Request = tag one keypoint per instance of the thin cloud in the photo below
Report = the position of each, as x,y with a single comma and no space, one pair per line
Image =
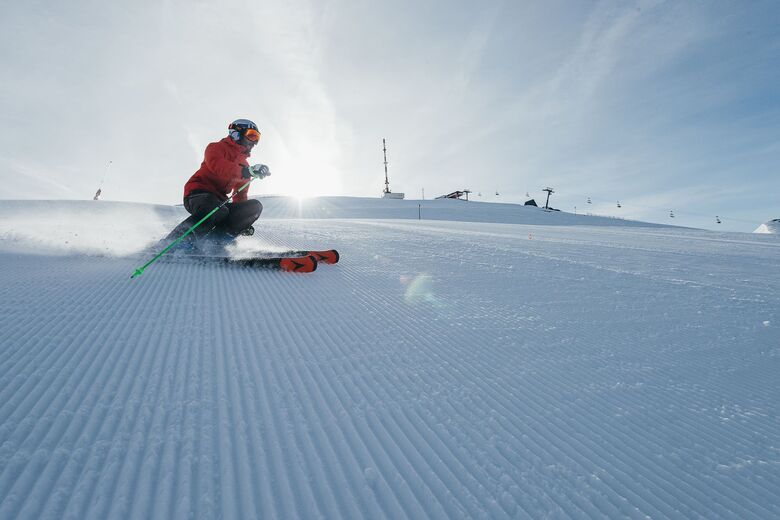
627,99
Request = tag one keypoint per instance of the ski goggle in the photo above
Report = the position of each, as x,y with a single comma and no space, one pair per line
252,135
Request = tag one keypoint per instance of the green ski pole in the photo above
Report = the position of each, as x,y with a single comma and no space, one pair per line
140,270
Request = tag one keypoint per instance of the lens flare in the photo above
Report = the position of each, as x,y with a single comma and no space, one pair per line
419,290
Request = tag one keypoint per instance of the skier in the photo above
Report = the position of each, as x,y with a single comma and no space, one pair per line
223,171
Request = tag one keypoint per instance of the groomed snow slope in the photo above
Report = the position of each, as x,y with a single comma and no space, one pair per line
441,370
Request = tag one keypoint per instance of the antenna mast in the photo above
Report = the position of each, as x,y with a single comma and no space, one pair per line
387,182
386,193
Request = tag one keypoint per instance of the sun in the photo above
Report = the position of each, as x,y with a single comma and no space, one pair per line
305,181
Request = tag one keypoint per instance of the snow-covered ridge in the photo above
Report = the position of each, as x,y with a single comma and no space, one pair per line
769,227
121,228
442,369
435,209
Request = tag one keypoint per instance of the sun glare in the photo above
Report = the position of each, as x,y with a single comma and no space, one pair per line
307,182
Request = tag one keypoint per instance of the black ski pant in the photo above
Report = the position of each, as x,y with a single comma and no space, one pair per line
233,217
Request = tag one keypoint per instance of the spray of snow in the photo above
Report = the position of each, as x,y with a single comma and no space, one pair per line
93,228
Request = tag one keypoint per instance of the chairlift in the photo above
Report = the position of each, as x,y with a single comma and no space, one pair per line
717,219
496,193
671,213
589,202
618,204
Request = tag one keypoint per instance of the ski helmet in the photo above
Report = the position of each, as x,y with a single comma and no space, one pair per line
244,128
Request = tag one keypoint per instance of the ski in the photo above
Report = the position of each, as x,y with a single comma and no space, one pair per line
293,261
328,256
291,264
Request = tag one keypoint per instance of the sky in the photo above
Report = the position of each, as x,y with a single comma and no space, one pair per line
664,107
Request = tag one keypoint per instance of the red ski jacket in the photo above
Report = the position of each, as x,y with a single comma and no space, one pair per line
220,172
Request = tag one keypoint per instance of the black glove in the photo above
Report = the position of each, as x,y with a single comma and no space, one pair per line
260,171
245,172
